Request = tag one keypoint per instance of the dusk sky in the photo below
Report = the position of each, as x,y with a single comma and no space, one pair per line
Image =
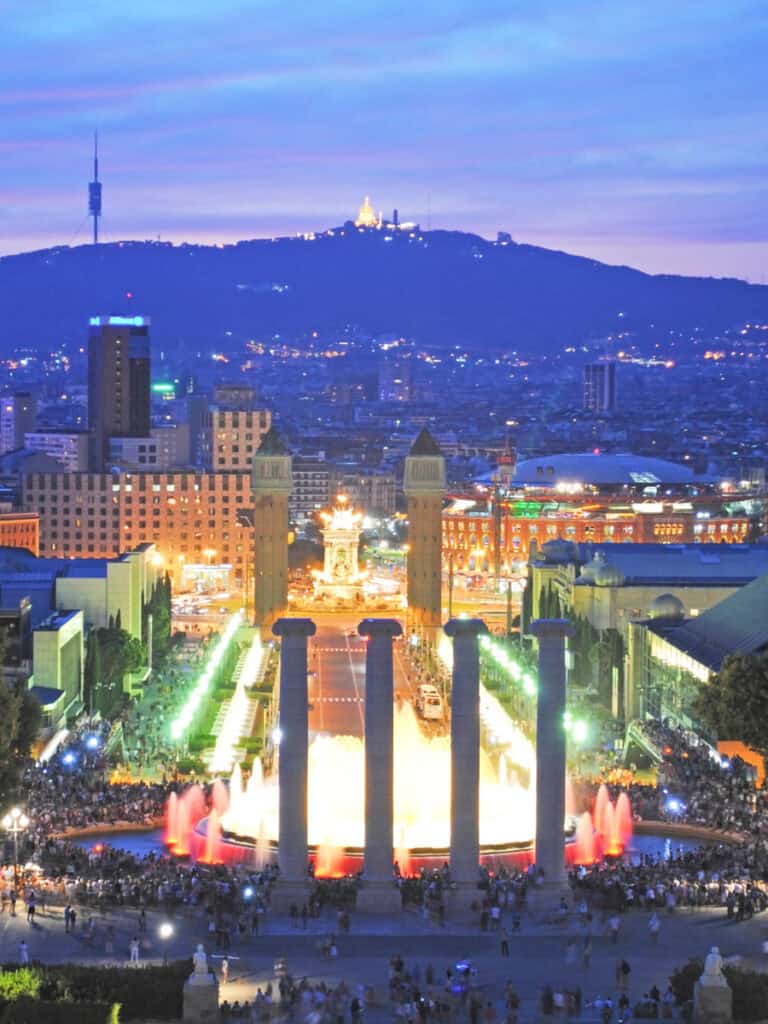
631,131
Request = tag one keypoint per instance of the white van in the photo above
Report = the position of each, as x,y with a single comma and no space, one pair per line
429,703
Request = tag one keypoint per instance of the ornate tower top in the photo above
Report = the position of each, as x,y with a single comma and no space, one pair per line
424,466
271,469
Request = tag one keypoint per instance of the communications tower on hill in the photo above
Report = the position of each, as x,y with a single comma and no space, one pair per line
94,191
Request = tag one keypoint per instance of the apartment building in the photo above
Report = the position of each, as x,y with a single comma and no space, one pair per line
191,518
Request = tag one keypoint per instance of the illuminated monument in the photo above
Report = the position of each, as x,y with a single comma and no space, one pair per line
424,486
271,484
341,581
367,217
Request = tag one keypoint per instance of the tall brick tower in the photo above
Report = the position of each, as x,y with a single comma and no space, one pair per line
271,483
424,486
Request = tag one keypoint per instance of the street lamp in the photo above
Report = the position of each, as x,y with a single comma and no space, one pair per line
14,822
165,932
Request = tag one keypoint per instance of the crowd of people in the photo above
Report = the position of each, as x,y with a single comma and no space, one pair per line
72,789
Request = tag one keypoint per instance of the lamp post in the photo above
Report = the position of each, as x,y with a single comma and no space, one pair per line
15,822
165,932
450,584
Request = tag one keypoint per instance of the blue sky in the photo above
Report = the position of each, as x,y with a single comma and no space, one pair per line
633,131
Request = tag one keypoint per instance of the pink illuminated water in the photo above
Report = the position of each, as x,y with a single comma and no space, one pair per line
212,853
171,837
612,822
586,847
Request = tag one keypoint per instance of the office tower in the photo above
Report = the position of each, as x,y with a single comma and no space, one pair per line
17,416
600,387
118,382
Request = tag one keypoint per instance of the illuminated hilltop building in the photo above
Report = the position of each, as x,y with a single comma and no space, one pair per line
367,217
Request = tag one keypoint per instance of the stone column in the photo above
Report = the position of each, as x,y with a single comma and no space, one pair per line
293,758
552,882
379,893
465,760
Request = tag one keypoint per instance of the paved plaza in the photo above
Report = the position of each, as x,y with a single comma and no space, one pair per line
539,954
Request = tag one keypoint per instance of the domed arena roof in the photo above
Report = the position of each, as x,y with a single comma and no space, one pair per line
600,470
666,606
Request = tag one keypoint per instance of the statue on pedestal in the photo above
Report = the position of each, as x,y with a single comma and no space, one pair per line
201,992
712,996
201,975
713,970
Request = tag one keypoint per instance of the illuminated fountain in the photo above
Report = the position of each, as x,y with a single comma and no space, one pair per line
422,796
607,832
341,580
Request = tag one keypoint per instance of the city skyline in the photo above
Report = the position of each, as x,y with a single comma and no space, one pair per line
630,140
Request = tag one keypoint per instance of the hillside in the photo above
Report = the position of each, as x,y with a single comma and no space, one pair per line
440,287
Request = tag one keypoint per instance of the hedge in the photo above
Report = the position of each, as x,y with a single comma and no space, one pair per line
150,991
37,1011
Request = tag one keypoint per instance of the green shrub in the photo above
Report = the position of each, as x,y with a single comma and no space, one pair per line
16,984
750,994
684,978
37,1011
154,992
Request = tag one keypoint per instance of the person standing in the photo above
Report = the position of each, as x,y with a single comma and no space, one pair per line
23,953
134,950
654,926
224,971
586,953
504,941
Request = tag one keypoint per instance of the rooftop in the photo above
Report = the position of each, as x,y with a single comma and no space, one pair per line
590,468
737,625
680,564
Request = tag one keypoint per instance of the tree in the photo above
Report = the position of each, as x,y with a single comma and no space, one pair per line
19,724
119,653
735,703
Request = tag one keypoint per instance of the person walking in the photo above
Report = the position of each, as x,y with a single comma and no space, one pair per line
586,953
504,941
133,949
613,928
23,953
654,926
67,915
224,971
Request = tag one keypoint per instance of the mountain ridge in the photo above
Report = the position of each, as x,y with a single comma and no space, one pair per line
439,287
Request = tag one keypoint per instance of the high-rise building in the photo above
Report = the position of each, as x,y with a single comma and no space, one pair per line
236,436
17,416
600,387
118,382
